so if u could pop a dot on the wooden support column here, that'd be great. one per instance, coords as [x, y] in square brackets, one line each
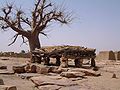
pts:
[78, 62]
[93, 64]
[64, 62]
[46, 60]
[58, 60]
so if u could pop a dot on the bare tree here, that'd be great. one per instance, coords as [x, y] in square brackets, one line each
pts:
[43, 14]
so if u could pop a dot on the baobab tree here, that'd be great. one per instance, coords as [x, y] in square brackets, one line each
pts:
[41, 16]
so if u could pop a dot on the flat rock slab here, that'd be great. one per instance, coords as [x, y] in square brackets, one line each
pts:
[49, 87]
[71, 88]
[19, 66]
[47, 80]
[76, 79]
[4, 58]
[27, 75]
[6, 87]
[72, 74]
[88, 72]
[3, 67]
[6, 72]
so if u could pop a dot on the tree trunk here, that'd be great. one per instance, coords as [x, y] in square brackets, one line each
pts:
[33, 44]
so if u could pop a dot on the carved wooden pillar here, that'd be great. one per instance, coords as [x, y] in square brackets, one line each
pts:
[93, 64]
[58, 60]
[46, 61]
[32, 58]
[78, 62]
[64, 62]
[38, 59]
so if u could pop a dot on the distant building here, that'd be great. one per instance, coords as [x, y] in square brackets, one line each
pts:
[117, 55]
[106, 55]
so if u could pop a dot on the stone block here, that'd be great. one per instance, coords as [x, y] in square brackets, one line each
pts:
[42, 69]
[30, 68]
[19, 69]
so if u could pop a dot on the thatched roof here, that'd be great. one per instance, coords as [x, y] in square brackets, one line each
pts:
[52, 48]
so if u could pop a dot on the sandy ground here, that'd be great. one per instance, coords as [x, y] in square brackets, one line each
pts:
[103, 82]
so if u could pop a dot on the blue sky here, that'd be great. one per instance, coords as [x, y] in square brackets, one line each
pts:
[96, 25]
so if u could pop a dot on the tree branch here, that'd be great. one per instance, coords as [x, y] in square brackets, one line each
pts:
[24, 42]
[34, 17]
[15, 38]
[9, 22]
[49, 16]
[43, 34]
[7, 11]
[12, 25]
[26, 21]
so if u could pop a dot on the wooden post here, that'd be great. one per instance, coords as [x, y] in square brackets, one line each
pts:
[38, 59]
[32, 58]
[46, 61]
[78, 62]
[64, 62]
[58, 60]
[93, 64]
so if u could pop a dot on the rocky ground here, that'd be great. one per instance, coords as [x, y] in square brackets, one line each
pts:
[74, 79]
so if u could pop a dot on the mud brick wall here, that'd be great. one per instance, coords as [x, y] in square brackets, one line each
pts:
[106, 55]
[117, 55]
